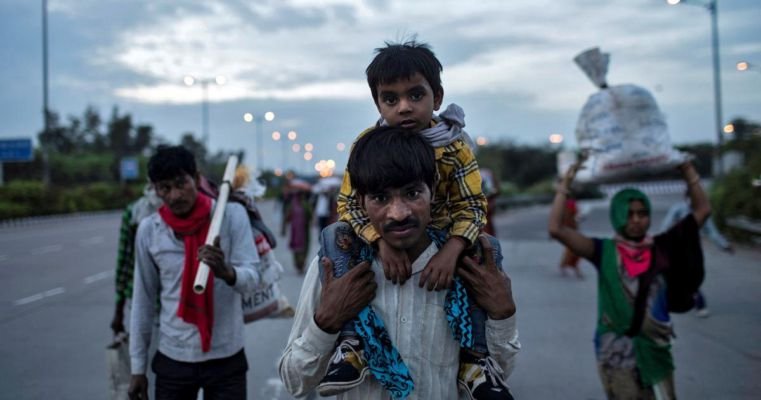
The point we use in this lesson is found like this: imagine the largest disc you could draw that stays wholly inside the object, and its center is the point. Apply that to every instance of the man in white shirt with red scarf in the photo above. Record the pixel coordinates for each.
(200, 340)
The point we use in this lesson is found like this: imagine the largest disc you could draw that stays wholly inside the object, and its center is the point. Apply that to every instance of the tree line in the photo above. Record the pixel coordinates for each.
(83, 154)
(88, 149)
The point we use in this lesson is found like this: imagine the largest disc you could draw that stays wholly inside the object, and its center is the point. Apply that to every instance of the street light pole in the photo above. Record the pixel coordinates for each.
(259, 152)
(45, 110)
(205, 113)
(269, 116)
(713, 10)
(204, 82)
(292, 135)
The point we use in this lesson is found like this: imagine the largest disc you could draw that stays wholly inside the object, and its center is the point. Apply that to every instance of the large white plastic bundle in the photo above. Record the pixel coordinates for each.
(267, 300)
(621, 129)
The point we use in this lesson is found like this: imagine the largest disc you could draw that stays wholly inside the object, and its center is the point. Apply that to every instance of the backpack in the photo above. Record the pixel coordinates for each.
(683, 277)
(254, 217)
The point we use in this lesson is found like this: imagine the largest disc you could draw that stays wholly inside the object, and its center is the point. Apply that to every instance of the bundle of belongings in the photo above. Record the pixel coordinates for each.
(621, 130)
(266, 301)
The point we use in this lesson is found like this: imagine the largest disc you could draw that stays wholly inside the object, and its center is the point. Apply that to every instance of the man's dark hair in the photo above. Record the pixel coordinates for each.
(169, 162)
(390, 157)
(401, 61)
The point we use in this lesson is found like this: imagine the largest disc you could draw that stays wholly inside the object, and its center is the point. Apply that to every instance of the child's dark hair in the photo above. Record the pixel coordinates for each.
(170, 162)
(401, 61)
(390, 157)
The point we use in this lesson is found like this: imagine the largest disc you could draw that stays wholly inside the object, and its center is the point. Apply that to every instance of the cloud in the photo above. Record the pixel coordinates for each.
(176, 94)
(518, 54)
(514, 49)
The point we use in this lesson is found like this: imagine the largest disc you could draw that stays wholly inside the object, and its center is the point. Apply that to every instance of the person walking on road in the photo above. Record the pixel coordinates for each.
(200, 336)
(297, 215)
(569, 259)
(135, 212)
(417, 356)
(325, 205)
(640, 280)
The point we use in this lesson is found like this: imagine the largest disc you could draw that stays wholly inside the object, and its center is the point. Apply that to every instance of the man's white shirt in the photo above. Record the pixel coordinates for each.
(416, 322)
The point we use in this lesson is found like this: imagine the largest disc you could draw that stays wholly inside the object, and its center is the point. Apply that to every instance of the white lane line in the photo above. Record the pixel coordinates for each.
(99, 276)
(47, 249)
(26, 300)
(39, 296)
(53, 292)
(95, 240)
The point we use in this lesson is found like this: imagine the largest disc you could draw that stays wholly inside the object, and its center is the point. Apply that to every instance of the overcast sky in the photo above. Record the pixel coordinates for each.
(507, 63)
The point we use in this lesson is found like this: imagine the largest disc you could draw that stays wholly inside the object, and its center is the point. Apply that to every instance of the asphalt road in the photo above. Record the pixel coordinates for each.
(56, 302)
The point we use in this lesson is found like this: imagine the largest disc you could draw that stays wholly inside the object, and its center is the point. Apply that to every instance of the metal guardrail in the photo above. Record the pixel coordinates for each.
(27, 221)
(745, 223)
(522, 200)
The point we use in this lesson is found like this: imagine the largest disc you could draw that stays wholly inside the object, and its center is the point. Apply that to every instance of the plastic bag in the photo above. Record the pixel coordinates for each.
(266, 301)
(118, 362)
(621, 129)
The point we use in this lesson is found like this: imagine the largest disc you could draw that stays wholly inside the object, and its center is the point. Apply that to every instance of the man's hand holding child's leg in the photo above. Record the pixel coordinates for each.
(441, 267)
(396, 265)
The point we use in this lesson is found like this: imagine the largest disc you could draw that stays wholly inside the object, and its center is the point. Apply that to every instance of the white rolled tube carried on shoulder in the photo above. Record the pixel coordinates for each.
(202, 274)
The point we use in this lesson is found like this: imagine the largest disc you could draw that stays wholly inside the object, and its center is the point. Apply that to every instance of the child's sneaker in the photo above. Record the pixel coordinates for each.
(481, 379)
(347, 369)
(703, 312)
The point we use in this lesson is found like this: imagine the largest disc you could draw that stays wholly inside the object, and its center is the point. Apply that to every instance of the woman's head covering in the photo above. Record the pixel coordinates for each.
(619, 207)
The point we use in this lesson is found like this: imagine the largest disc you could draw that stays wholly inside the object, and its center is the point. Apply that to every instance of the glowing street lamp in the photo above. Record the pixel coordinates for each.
(340, 146)
(729, 129)
(268, 116)
(325, 167)
(481, 141)
(743, 66)
(556, 138)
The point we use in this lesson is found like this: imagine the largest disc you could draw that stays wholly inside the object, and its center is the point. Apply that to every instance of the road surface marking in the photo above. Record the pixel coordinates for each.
(91, 241)
(47, 249)
(99, 276)
(39, 296)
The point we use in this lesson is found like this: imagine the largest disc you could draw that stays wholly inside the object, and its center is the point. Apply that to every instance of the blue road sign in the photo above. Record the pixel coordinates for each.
(16, 150)
(129, 169)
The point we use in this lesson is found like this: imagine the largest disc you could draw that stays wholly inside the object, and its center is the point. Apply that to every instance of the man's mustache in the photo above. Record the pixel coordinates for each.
(176, 204)
(410, 222)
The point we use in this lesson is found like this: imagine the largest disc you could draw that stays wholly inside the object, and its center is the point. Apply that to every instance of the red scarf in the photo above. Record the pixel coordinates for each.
(197, 309)
(635, 256)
